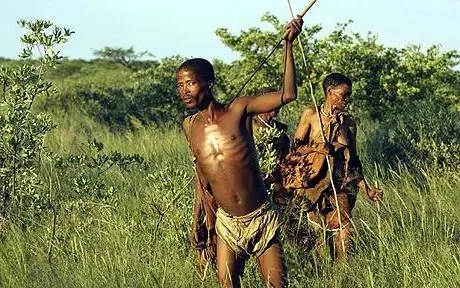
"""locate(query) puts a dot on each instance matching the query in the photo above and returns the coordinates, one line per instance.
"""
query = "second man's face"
(192, 91)
(339, 97)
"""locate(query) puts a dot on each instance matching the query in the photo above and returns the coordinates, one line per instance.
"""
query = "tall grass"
(140, 237)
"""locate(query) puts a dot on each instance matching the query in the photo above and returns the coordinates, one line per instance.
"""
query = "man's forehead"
(340, 86)
(186, 74)
(346, 89)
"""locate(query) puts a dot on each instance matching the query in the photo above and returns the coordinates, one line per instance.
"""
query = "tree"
(21, 131)
(126, 57)
(387, 83)
(147, 96)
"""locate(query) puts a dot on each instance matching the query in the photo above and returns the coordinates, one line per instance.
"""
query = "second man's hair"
(335, 80)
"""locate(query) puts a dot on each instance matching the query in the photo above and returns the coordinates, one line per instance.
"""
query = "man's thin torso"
(226, 157)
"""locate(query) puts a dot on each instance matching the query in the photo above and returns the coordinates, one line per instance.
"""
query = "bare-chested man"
(220, 137)
(339, 129)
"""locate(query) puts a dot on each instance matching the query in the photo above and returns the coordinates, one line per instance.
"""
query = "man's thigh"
(272, 266)
(346, 203)
(230, 266)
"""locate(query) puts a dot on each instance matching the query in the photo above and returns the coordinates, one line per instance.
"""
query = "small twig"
(53, 231)
(53, 235)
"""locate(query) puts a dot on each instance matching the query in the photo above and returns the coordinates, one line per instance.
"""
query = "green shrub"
(21, 131)
(427, 134)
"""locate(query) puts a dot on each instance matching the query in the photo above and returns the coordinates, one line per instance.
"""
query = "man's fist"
(293, 29)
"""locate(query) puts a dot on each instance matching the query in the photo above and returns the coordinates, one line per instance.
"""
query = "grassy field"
(129, 228)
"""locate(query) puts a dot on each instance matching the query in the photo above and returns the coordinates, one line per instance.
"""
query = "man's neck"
(208, 110)
(326, 109)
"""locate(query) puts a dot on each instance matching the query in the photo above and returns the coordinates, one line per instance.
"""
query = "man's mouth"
(187, 100)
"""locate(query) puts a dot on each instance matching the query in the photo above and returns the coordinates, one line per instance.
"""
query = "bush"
(21, 131)
(425, 135)
(144, 97)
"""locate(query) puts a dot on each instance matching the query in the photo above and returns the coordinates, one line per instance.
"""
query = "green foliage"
(43, 39)
(154, 97)
(253, 46)
(76, 80)
(120, 98)
(264, 139)
(149, 98)
(21, 131)
(426, 135)
(388, 84)
(126, 57)
(410, 240)
(122, 210)
(83, 174)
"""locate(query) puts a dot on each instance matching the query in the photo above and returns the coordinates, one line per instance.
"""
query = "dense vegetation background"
(95, 176)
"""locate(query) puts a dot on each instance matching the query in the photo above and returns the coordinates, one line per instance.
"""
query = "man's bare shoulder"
(310, 110)
(186, 122)
(239, 104)
(187, 125)
(309, 113)
(349, 120)
(240, 101)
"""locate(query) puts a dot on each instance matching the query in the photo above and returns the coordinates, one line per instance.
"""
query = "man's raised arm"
(273, 100)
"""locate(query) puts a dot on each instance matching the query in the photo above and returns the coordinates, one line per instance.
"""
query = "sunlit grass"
(140, 237)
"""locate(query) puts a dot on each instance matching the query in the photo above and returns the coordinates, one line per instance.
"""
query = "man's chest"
(334, 133)
(218, 139)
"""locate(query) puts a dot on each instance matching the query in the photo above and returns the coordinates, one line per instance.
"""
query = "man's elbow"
(289, 97)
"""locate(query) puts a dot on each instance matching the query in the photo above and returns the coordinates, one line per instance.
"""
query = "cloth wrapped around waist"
(251, 233)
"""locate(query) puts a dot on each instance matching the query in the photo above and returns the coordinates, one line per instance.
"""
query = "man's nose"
(182, 90)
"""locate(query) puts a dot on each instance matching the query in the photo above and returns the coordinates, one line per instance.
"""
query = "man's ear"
(328, 91)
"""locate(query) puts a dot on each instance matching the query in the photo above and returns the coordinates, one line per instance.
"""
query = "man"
(228, 175)
(330, 134)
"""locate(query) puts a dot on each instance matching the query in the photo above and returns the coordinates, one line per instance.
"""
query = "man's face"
(338, 98)
(190, 88)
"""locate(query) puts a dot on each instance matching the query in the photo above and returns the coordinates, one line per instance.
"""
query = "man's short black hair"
(202, 67)
(335, 80)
